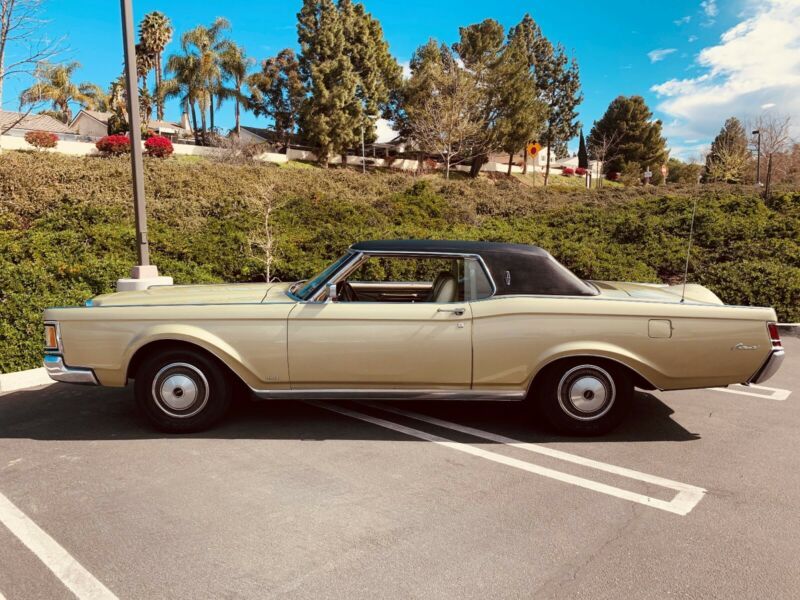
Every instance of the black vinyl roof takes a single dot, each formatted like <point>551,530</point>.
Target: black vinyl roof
<point>515,268</point>
<point>461,246</point>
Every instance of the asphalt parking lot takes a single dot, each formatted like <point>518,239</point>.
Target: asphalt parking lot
<point>695,496</point>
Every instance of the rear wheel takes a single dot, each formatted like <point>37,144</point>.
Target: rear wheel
<point>583,396</point>
<point>182,391</point>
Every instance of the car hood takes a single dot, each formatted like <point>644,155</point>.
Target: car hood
<point>655,292</point>
<point>227,293</point>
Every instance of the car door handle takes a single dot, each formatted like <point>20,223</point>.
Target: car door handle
<point>456,311</point>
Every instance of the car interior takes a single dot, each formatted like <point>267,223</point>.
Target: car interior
<point>404,279</point>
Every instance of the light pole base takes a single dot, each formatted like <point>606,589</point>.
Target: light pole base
<point>142,277</point>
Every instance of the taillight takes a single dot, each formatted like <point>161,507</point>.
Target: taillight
<point>50,337</point>
<point>774,335</point>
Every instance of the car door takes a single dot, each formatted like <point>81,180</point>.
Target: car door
<point>386,345</point>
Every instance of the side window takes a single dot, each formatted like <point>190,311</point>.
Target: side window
<point>476,281</point>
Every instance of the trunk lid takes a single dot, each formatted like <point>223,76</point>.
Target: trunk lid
<point>656,292</point>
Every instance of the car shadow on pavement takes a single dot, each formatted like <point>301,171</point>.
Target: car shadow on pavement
<point>64,412</point>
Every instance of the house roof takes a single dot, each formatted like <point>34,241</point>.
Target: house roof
<point>31,122</point>
<point>97,115</point>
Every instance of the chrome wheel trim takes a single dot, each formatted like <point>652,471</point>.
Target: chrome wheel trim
<point>586,392</point>
<point>180,390</point>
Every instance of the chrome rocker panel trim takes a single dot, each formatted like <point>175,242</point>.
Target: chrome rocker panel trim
<point>58,371</point>
<point>770,367</point>
<point>390,394</point>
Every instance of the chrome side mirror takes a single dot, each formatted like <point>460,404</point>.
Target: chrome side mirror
<point>332,297</point>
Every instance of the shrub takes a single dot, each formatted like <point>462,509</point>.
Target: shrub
<point>114,144</point>
<point>613,175</point>
<point>158,146</point>
<point>568,171</point>
<point>581,171</point>
<point>41,139</point>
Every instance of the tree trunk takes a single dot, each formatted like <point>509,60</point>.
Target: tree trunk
<point>510,162</point>
<point>194,123</point>
<point>211,111</point>
<point>768,179</point>
<point>236,111</point>
<point>524,161</point>
<point>547,167</point>
<point>203,125</point>
<point>447,168</point>
<point>159,99</point>
<point>477,163</point>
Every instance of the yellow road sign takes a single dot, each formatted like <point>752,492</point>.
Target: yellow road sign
<point>533,149</point>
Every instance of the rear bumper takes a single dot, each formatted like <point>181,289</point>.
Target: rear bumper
<point>58,371</point>
<point>769,368</point>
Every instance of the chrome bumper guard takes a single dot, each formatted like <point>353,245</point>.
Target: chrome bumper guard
<point>58,371</point>
<point>769,368</point>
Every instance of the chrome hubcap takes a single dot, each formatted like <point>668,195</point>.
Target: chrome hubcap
<point>586,392</point>
<point>180,390</point>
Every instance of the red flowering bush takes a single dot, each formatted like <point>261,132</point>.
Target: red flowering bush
<point>114,144</point>
<point>41,139</point>
<point>568,171</point>
<point>158,146</point>
<point>613,175</point>
<point>581,171</point>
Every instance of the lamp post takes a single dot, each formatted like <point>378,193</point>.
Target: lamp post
<point>144,274</point>
<point>363,158</point>
<point>757,132</point>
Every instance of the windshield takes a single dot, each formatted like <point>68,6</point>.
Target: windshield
<point>310,286</point>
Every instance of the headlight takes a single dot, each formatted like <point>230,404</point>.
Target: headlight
<point>51,337</point>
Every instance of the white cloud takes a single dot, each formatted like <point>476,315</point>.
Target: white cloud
<point>692,38</point>
<point>682,20</point>
<point>768,105</point>
<point>710,8</point>
<point>755,63</point>
<point>660,54</point>
<point>406,66</point>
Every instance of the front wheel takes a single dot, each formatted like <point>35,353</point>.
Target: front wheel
<point>583,396</point>
<point>182,391</point>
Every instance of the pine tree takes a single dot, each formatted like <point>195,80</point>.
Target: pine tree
<point>637,140</point>
<point>558,86</point>
<point>331,106</point>
<point>277,92</point>
<point>376,70</point>
<point>521,115</point>
<point>583,155</point>
<point>729,157</point>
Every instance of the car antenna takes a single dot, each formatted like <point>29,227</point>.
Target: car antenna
<point>688,251</point>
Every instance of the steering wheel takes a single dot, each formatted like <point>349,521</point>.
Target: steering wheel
<point>345,292</point>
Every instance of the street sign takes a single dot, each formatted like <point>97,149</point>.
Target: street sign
<point>648,174</point>
<point>533,149</point>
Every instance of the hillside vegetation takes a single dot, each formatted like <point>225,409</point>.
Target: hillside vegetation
<point>66,230</point>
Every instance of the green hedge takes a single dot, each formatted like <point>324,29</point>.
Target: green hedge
<point>66,230</point>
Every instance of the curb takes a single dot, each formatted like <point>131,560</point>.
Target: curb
<point>12,382</point>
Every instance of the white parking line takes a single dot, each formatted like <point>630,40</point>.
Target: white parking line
<point>686,499</point>
<point>771,393</point>
<point>56,558</point>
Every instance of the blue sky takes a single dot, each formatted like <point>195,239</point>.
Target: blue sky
<point>695,61</point>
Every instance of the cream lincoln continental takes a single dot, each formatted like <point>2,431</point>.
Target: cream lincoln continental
<point>414,319</point>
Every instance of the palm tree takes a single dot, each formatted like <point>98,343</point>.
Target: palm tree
<point>234,65</point>
<point>207,45</point>
<point>155,32</point>
<point>96,97</point>
<point>188,86</point>
<point>54,84</point>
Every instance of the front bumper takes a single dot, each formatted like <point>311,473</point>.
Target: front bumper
<point>58,371</point>
<point>769,368</point>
